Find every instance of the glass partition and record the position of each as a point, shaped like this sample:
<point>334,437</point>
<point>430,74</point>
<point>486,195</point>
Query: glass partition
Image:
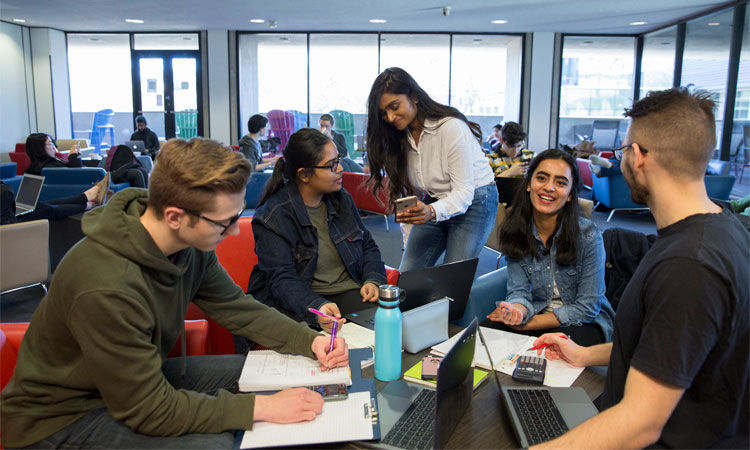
<point>657,63</point>
<point>425,56</point>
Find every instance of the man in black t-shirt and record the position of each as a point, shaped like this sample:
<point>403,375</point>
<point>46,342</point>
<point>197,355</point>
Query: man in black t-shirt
<point>144,133</point>
<point>679,362</point>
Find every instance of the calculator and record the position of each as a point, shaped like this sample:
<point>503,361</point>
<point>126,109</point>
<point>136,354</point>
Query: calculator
<point>530,369</point>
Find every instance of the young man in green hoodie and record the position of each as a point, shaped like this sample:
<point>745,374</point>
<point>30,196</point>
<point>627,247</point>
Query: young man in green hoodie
<point>93,369</point>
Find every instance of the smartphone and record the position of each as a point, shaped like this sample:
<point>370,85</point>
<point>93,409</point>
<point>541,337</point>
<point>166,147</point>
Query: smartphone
<point>331,392</point>
<point>430,367</point>
<point>404,203</point>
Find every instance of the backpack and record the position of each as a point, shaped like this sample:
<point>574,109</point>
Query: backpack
<point>121,157</point>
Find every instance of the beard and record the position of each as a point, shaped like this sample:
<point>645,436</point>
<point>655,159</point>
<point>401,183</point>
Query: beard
<point>639,193</point>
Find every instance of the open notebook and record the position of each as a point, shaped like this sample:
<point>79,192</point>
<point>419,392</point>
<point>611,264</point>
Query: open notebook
<point>267,370</point>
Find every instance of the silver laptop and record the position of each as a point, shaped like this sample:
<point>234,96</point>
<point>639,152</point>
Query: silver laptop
<point>423,286</point>
<point>540,414</point>
<point>415,417</point>
<point>138,147</point>
<point>28,193</point>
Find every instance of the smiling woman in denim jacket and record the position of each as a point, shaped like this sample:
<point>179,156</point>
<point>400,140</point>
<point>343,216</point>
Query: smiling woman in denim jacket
<point>555,258</point>
<point>313,250</point>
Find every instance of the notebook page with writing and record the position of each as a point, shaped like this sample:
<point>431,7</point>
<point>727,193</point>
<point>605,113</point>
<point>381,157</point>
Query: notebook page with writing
<point>267,370</point>
<point>356,336</point>
<point>344,420</point>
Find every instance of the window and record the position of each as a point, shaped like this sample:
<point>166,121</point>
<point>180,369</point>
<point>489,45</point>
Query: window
<point>272,74</point>
<point>100,78</point>
<point>486,78</point>
<point>171,41</point>
<point>425,56</point>
<point>657,64</point>
<point>598,84</point>
<point>705,63</point>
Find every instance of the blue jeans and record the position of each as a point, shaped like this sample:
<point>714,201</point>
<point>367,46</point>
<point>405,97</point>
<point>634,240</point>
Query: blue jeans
<point>98,429</point>
<point>460,237</point>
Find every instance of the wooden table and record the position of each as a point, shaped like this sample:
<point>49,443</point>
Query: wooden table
<point>486,423</point>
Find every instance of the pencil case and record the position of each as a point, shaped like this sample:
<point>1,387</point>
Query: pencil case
<point>425,326</point>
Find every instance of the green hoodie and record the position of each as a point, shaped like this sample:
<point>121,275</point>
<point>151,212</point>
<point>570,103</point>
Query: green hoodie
<point>114,309</point>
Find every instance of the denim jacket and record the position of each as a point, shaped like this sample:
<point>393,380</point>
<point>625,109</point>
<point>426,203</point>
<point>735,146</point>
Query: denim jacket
<point>581,286</point>
<point>286,243</point>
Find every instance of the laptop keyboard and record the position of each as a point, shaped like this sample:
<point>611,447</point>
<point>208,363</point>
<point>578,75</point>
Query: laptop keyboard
<point>539,416</point>
<point>414,430</point>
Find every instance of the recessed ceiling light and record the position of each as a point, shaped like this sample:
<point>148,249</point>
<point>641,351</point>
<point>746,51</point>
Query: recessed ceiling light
<point>133,21</point>
<point>257,20</point>
<point>378,21</point>
<point>19,20</point>
<point>713,24</point>
<point>638,23</point>
<point>498,21</point>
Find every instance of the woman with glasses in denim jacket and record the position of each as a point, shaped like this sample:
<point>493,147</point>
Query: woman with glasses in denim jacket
<point>313,250</point>
<point>555,258</point>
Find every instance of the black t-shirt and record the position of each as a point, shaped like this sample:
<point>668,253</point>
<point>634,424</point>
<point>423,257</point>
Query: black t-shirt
<point>683,319</point>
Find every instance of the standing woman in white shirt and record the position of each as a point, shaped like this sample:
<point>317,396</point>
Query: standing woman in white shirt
<point>432,151</point>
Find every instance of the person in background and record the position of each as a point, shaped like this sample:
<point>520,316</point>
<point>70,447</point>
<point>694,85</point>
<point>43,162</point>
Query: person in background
<point>313,250</point>
<point>257,127</point>
<point>679,361</point>
<point>432,150</point>
<point>495,139</point>
<point>93,370</point>
<point>41,150</point>
<point>509,153</point>
<point>326,127</point>
<point>555,258</point>
<point>143,133</point>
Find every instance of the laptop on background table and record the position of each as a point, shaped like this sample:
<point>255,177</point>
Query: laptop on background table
<point>138,147</point>
<point>28,193</point>
<point>540,414</point>
<point>426,285</point>
<point>418,417</point>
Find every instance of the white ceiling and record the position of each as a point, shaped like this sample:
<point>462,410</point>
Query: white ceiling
<point>566,16</point>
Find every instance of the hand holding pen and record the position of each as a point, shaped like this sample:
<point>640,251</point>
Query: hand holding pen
<point>333,352</point>
<point>328,314</point>
<point>560,346</point>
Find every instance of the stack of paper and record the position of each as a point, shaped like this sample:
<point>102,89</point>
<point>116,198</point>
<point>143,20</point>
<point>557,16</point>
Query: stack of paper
<point>267,370</point>
<point>505,348</point>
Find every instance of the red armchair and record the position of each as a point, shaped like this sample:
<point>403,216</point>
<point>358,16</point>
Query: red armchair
<point>356,184</point>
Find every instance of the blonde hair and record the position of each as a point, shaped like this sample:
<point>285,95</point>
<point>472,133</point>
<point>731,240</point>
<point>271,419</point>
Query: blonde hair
<point>189,174</point>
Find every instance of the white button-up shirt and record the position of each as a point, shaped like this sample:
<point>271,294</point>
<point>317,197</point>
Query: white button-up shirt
<point>448,164</point>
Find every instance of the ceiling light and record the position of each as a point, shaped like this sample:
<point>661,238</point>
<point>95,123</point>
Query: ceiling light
<point>498,21</point>
<point>378,21</point>
<point>638,23</point>
<point>19,20</point>
<point>133,21</point>
<point>256,20</point>
<point>713,24</point>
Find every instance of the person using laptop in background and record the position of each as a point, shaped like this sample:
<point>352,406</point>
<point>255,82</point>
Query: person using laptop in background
<point>93,370</point>
<point>144,133</point>
<point>679,362</point>
<point>313,250</point>
<point>555,258</point>
<point>257,126</point>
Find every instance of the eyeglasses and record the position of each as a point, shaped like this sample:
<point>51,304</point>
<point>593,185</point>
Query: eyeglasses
<point>224,227</point>
<point>332,167</point>
<point>618,152</point>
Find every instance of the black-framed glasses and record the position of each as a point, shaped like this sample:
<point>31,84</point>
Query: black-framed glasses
<point>223,226</point>
<point>332,167</point>
<point>618,152</point>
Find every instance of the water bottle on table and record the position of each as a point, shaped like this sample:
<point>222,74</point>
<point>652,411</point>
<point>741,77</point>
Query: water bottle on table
<point>388,334</point>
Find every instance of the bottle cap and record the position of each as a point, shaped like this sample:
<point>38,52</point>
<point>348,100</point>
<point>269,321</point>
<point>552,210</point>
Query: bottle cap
<point>389,291</point>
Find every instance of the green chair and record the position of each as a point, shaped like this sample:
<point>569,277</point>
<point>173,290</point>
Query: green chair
<point>343,122</point>
<point>187,123</point>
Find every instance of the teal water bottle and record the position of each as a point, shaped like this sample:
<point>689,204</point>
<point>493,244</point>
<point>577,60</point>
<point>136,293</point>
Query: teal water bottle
<point>388,334</point>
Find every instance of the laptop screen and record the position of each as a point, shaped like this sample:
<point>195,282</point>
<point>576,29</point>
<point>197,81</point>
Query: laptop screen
<point>28,191</point>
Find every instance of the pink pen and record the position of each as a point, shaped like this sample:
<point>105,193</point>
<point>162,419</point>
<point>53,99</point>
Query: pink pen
<point>322,314</point>
<point>333,335</point>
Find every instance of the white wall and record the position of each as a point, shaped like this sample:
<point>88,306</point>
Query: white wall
<point>218,86</point>
<point>542,84</point>
<point>17,114</point>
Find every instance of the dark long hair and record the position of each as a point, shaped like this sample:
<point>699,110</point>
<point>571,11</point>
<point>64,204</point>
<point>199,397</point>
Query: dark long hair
<point>387,147</point>
<point>37,154</point>
<point>302,151</point>
<point>516,238</point>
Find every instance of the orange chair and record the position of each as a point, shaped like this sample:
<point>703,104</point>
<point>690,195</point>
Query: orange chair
<point>356,184</point>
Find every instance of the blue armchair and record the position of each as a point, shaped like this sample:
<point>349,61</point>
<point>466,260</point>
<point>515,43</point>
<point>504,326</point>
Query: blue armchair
<point>614,193</point>
<point>719,187</point>
<point>8,175</point>
<point>60,182</point>
<point>485,292</point>
<point>255,188</point>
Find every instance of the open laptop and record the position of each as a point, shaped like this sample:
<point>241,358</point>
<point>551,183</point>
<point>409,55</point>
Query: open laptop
<point>540,414</point>
<point>426,285</point>
<point>138,147</point>
<point>416,417</point>
<point>28,193</point>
